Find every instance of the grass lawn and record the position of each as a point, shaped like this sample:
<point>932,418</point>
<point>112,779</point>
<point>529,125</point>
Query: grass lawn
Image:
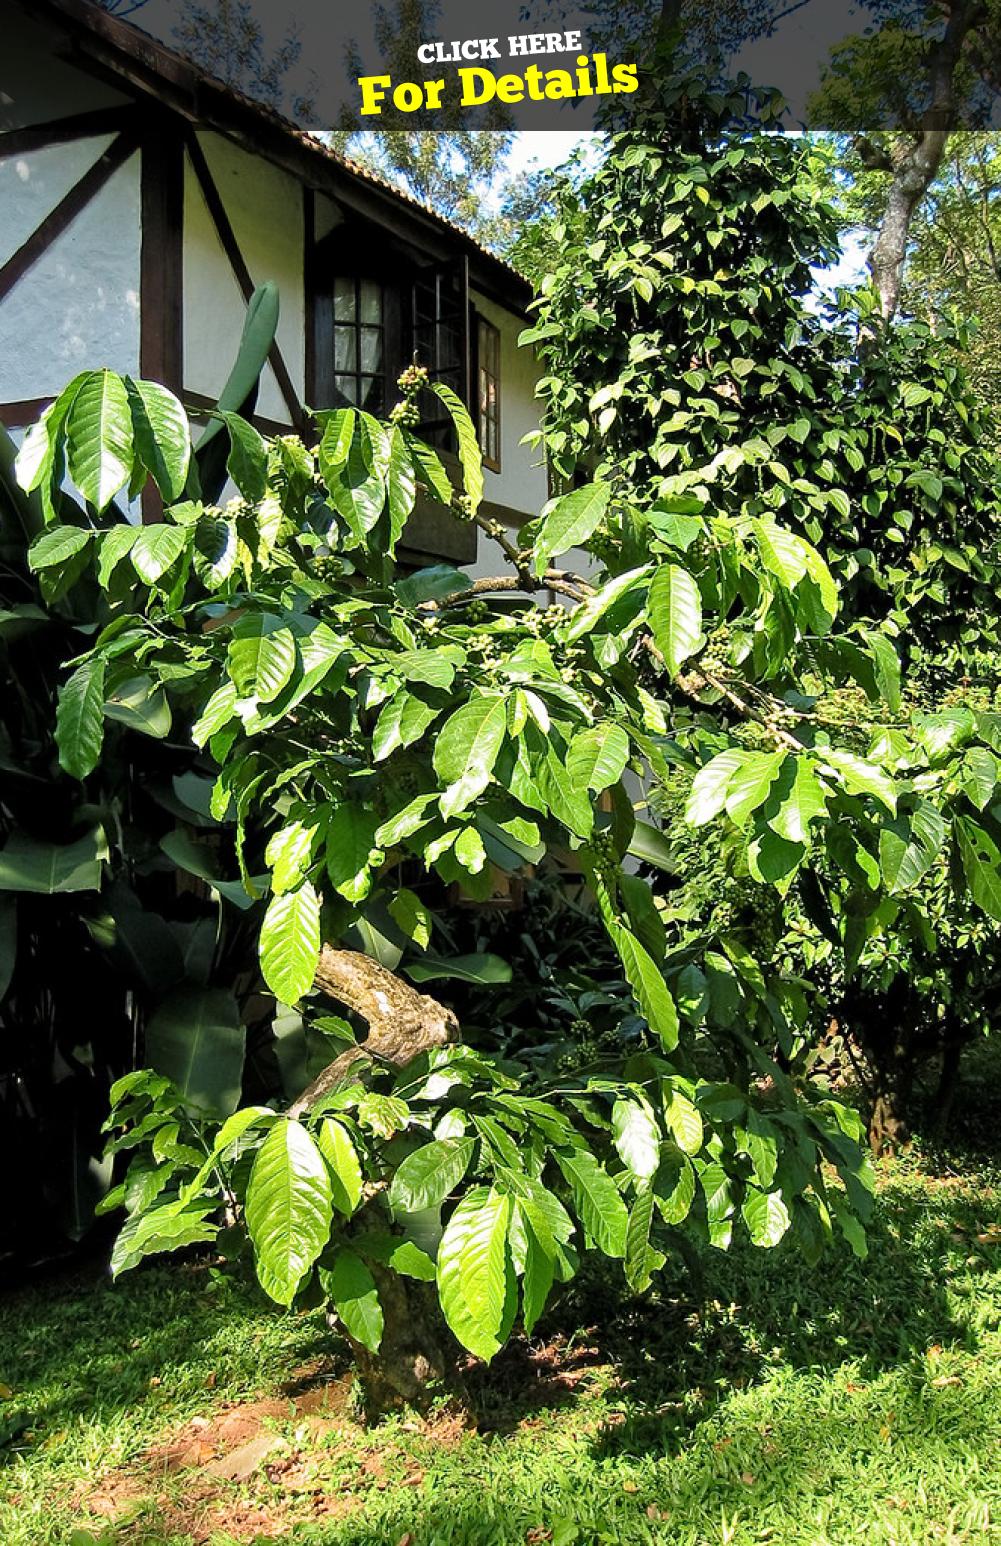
<point>857,1403</point>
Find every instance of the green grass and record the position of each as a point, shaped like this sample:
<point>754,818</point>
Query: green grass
<point>860,1402</point>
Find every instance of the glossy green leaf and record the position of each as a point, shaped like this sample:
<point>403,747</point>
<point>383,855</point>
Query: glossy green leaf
<point>675,615</point>
<point>288,1209</point>
<point>290,943</point>
<point>161,435</point>
<point>155,550</point>
<point>597,757</point>
<point>338,1150</point>
<point>596,1199</point>
<point>196,1040</point>
<point>431,1173</point>
<point>99,438</point>
<point>351,1289</point>
<point>262,657</point>
<point>569,521</point>
<point>80,719</point>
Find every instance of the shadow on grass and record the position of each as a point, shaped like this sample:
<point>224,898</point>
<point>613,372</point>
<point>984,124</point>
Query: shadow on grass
<point>78,1345</point>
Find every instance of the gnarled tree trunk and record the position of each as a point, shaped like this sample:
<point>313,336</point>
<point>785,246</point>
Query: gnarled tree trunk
<point>417,1347</point>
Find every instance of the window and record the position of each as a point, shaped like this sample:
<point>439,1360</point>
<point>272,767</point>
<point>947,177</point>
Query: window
<point>360,344</point>
<point>440,339</point>
<point>488,392</point>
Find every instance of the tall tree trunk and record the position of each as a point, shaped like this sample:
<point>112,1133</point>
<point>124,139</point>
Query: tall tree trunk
<point>913,161</point>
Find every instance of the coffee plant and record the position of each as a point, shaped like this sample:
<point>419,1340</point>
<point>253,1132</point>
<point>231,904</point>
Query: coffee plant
<point>380,741</point>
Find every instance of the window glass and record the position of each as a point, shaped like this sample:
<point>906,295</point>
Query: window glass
<point>359,344</point>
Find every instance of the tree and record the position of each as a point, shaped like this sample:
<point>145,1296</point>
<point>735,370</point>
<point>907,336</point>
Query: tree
<point>444,157</point>
<point>377,740</point>
<point>683,362</point>
<point>226,39</point>
<point>928,69</point>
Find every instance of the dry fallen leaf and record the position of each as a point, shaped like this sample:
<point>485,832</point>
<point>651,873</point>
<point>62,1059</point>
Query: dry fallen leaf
<point>630,1487</point>
<point>5,1393</point>
<point>747,1478</point>
<point>946,1379</point>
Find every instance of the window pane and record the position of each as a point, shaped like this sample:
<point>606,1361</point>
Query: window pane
<point>347,388</point>
<point>371,302</point>
<point>371,349</point>
<point>345,348</point>
<point>373,396</point>
<point>344,300</point>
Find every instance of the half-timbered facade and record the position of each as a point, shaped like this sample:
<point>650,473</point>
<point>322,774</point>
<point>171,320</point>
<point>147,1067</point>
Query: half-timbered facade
<point>144,200</point>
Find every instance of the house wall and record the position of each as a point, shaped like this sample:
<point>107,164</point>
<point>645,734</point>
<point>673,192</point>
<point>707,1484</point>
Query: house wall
<point>521,483</point>
<point>78,306</point>
<point>265,209</point>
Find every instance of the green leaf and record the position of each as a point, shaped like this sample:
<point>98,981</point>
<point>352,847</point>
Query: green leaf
<point>262,657</point>
<point>195,1039</point>
<point>683,1118</point>
<point>636,1137</point>
<point>467,749</point>
<point>401,485</point>
<point>114,545</point>
<point>596,1199</point>
<point>908,849</point>
<point>289,854</point>
<point>782,552</point>
<point>247,463</point>
<point>887,670</point>
<point>432,584</point>
<point>751,784</point>
<point>675,615</point>
<point>341,1155</point>
<point>482,968</point>
<point>351,1289</point>
<point>598,756</point>
<point>476,1283</point>
<point>155,550</point>
<point>470,456</point>
<point>430,1175</point>
<point>674,1188</point>
<point>431,472</point>
<point>56,546</point>
<point>649,988</point>
<point>710,787</point>
<point>861,777</point>
<point>219,710</point>
<point>99,438</point>
<point>570,521</point>
<point>540,1254</point>
<point>48,869</point>
<point>215,550</point>
<point>981,865</point>
<point>641,1262</point>
<point>290,943</point>
<point>766,1217</point>
<point>161,435</point>
<point>805,801</point>
<point>351,851</point>
<point>402,722</point>
<point>80,719</point>
<point>139,704</point>
<point>288,1210</point>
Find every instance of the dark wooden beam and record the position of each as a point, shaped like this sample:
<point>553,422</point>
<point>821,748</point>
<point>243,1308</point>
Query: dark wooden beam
<point>18,415</point>
<point>161,266</point>
<point>65,212</point>
<point>60,131</point>
<point>198,405</point>
<point>237,263</point>
<point>128,57</point>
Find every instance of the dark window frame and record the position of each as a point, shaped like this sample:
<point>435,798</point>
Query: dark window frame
<point>487,373</point>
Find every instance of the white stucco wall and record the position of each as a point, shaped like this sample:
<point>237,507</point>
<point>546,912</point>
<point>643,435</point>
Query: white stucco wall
<point>264,206</point>
<point>77,307</point>
<point>521,482</point>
